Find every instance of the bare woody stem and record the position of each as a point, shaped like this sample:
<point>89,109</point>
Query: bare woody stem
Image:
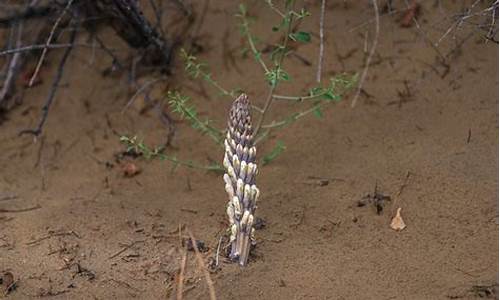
<point>370,55</point>
<point>43,46</point>
<point>321,41</point>
<point>55,84</point>
<point>269,100</point>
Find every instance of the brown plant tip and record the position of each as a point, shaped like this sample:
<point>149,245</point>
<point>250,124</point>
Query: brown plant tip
<point>240,121</point>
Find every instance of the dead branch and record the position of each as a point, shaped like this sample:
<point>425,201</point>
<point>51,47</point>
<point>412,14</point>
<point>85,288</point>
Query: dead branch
<point>30,12</point>
<point>5,210</point>
<point>130,24</point>
<point>49,40</point>
<point>45,109</point>
<point>42,46</point>
<point>321,41</point>
<point>370,55</point>
<point>180,284</point>
<point>13,67</point>
<point>142,89</point>
<point>202,267</point>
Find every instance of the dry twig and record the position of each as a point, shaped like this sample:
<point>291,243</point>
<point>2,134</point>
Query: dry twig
<point>49,39</point>
<point>202,267</point>
<point>180,285</point>
<point>2,210</point>
<point>13,67</point>
<point>370,55</point>
<point>321,41</point>
<point>45,109</point>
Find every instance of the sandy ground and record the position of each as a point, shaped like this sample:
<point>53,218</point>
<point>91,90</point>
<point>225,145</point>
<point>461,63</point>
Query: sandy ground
<point>425,135</point>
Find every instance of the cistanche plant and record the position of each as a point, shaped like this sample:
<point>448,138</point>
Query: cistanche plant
<point>241,169</point>
<point>241,137</point>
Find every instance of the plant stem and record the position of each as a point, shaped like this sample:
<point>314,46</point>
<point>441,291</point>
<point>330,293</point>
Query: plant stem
<point>270,97</point>
<point>195,69</point>
<point>276,10</point>
<point>321,41</point>
<point>265,109</point>
<point>296,98</point>
<point>178,102</point>
<point>293,118</point>
<point>255,52</point>
<point>208,78</point>
<point>142,149</point>
<point>370,55</point>
<point>190,164</point>
<point>261,137</point>
<point>212,132</point>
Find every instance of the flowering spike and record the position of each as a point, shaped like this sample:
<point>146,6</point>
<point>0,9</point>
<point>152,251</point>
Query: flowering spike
<point>241,170</point>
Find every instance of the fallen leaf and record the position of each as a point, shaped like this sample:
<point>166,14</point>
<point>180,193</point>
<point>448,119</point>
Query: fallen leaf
<point>397,222</point>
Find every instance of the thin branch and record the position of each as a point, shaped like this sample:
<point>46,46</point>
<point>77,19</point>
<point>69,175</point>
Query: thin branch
<point>426,37</point>
<point>20,210</point>
<point>49,39</point>
<point>195,69</point>
<point>294,117</point>
<point>265,109</point>
<point>298,98</point>
<point>199,26</point>
<point>141,90</point>
<point>217,252</point>
<point>191,164</point>
<point>270,98</point>
<point>42,46</point>
<point>29,12</point>
<point>390,13</point>
<point>168,122</point>
<point>158,14</point>
<point>370,55</point>
<point>258,109</point>
<point>251,43</point>
<point>275,9</point>
<point>139,147</point>
<point>13,66</point>
<point>202,267</point>
<point>179,104</point>
<point>108,51</point>
<point>321,41</point>
<point>180,284</point>
<point>458,23</point>
<point>45,109</point>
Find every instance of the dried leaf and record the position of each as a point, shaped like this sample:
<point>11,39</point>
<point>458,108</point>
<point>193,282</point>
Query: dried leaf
<point>397,222</point>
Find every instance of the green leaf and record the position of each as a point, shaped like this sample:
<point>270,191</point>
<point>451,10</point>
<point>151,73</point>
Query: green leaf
<point>243,9</point>
<point>277,150</point>
<point>317,112</point>
<point>301,36</point>
<point>316,91</point>
<point>283,75</point>
<point>329,95</point>
<point>271,77</point>
<point>303,13</point>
